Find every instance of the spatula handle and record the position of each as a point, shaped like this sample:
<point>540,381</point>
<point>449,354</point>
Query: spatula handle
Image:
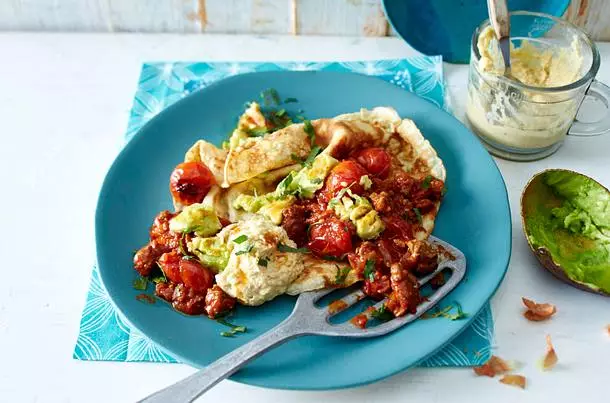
<point>498,16</point>
<point>190,388</point>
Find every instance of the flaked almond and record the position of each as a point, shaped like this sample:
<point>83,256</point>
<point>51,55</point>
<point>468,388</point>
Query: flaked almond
<point>537,312</point>
<point>494,366</point>
<point>550,358</point>
<point>514,380</point>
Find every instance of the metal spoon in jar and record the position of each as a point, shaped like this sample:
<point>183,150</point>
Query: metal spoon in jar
<point>500,21</point>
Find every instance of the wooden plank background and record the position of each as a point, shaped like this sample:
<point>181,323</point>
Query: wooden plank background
<point>300,17</point>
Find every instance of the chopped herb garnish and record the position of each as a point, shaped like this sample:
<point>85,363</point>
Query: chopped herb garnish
<point>312,155</point>
<point>290,100</point>
<point>300,117</point>
<point>369,270</point>
<point>234,328</point>
<point>296,158</point>
<point>333,258</point>
<point>161,278</point>
<point>248,249</point>
<point>418,215</point>
<point>426,182</point>
<point>437,312</point>
<point>460,313</point>
<point>140,283</point>
<point>241,239</point>
<point>263,262</point>
<point>382,314</point>
<point>270,96</point>
<point>308,127</point>
<point>257,132</point>
<point>285,248</point>
<point>444,191</point>
<point>280,113</point>
<point>342,273</point>
<point>225,145</point>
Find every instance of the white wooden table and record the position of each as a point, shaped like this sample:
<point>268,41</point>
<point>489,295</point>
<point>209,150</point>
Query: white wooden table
<point>64,103</point>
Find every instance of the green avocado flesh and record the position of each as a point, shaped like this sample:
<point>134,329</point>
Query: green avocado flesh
<point>569,215</point>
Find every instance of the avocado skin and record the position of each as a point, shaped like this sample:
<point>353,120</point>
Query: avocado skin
<point>566,220</point>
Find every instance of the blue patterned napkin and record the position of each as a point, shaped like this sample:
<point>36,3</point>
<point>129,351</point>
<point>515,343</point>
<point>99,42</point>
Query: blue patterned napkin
<point>105,336</point>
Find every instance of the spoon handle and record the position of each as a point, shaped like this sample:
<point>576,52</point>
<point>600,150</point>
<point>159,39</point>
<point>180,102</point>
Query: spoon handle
<point>190,388</point>
<point>498,16</point>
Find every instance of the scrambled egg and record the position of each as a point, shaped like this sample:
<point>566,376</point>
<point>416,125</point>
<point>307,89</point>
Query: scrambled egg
<point>256,271</point>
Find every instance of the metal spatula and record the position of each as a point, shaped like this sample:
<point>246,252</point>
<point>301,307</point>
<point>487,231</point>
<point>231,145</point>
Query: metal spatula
<point>308,319</point>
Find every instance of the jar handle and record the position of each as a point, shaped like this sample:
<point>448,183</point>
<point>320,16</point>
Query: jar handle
<point>601,92</point>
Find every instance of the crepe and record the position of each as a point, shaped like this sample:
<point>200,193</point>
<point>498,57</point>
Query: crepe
<point>254,165</point>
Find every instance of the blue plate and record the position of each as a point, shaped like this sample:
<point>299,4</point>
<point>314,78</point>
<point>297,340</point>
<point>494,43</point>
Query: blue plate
<point>474,217</point>
<point>445,27</point>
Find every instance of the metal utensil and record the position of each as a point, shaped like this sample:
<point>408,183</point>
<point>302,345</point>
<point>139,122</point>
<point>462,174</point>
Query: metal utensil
<point>500,21</point>
<point>308,319</point>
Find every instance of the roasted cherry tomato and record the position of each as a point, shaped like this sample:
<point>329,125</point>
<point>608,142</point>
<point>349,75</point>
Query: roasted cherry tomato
<point>170,264</point>
<point>332,238</point>
<point>346,173</point>
<point>190,182</point>
<point>375,160</point>
<point>195,276</point>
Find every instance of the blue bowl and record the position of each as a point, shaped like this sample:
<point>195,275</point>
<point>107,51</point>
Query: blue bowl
<point>445,27</point>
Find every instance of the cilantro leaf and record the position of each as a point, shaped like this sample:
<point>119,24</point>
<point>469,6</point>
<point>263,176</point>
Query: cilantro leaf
<point>285,248</point>
<point>382,314</point>
<point>234,328</point>
<point>418,215</point>
<point>290,100</point>
<point>140,283</point>
<point>369,270</point>
<point>241,239</point>
<point>312,155</point>
<point>426,182</point>
<point>257,132</point>
<point>333,258</point>
<point>248,249</point>
<point>296,159</point>
<point>308,127</point>
<point>342,274</point>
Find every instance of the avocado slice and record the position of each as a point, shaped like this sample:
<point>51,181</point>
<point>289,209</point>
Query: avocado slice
<point>566,220</point>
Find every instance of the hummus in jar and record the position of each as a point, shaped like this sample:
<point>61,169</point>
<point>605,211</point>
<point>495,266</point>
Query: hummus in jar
<point>509,115</point>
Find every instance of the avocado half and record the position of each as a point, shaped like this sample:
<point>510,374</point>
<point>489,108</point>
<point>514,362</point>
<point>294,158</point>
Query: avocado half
<point>566,220</point>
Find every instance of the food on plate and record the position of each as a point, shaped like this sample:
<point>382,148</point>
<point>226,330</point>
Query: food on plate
<point>566,219</point>
<point>538,312</point>
<point>550,358</point>
<point>494,366</point>
<point>285,208</point>
<point>514,380</point>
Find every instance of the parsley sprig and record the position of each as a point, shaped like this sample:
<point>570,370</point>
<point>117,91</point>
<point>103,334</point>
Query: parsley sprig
<point>446,312</point>
<point>382,314</point>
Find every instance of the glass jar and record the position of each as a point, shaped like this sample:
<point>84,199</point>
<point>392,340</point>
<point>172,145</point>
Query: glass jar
<point>523,122</point>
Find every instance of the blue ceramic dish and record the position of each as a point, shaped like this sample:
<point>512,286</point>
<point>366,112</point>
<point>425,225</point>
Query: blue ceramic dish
<point>445,27</point>
<point>474,217</point>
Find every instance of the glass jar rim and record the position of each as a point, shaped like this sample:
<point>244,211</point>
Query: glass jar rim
<point>587,77</point>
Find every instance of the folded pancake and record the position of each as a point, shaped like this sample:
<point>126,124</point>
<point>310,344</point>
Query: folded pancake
<point>255,165</point>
